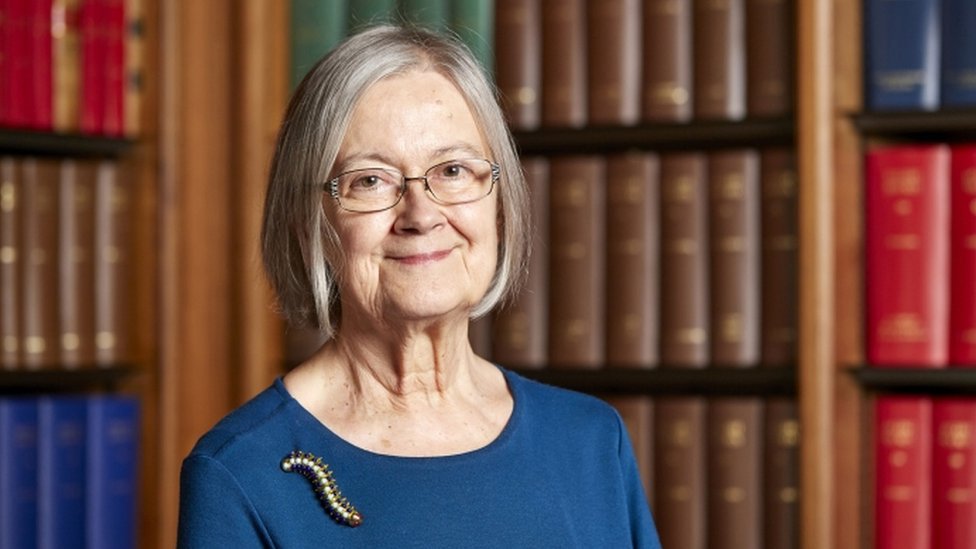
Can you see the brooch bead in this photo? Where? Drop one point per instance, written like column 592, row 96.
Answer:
column 323, row 484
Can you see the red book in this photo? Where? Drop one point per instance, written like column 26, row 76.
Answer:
column 5, row 80
column 113, row 37
column 907, row 263
column 903, row 472
column 962, row 257
column 39, row 31
column 93, row 66
column 18, row 54
column 954, row 473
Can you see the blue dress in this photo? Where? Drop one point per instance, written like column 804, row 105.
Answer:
column 561, row 474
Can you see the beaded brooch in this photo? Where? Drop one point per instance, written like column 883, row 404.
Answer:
column 324, row 485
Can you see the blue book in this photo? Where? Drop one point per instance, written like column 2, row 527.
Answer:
column 112, row 471
column 18, row 472
column 958, row 53
column 902, row 54
column 61, row 453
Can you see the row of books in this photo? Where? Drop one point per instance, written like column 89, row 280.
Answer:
column 68, row 471
column 71, row 66
column 64, row 269
column 571, row 63
column 920, row 263
column 720, row 472
column 920, row 54
column 925, row 472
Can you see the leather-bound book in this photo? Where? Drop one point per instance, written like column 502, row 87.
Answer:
column 680, row 499
column 667, row 61
column 66, row 65
column 11, row 204
column 40, row 27
column 114, row 36
column 781, row 474
column 954, row 473
column 563, row 63
column 779, row 271
column 735, row 473
column 92, row 23
column 518, row 61
column 135, row 75
column 112, row 268
column 633, row 252
column 520, row 328
column 613, row 41
column 962, row 257
column 719, row 59
column 769, row 57
column 39, row 245
column 638, row 415
column 577, row 228
column 76, row 187
column 901, row 54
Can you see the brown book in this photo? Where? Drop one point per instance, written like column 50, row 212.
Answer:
column 679, row 472
column 563, row 63
column 734, row 257
column 719, row 59
column 781, row 474
column 66, row 65
column 39, row 274
column 76, row 295
column 135, row 85
column 11, row 204
column 613, row 40
column 520, row 329
column 518, row 60
column 633, row 250
column 667, row 61
column 735, row 428
column 577, row 230
column 684, row 260
column 637, row 413
column 769, row 57
column 113, row 206
column 779, row 273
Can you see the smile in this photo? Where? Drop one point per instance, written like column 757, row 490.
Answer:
column 421, row 258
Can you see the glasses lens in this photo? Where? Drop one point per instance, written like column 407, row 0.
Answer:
column 368, row 190
column 459, row 181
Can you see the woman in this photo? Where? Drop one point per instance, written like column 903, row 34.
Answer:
column 396, row 211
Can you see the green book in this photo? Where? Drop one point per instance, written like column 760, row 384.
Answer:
column 363, row 13
column 430, row 14
column 474, row 23
column 316, row 26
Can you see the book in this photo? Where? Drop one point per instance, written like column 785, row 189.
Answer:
column 135, row 70
column 779, row 270
column 667, row 61
column 66, row 65
column 734, row 462
column 957, row 69
column 613, row 41
column 113, row 51
column 770, row 55
column 520, row 329
column 76, row 284
column 962, row 256
column 564, row 63
column 112, row 471
column 903, row 472
column 17, row 51
column 11, row 204
column 577, row 233
column 6, row 82
column 61, row 458
column 719, row 59
column 901, row 54
column 430, row 14
column 39, row 268
column 518, row 61
column 907, row 255
column 40, row 72
column 474, row 23
column 954, row 473
column 18, row 472
column 781, row 474
column 364, row 13
column 92, row 25
column 111, row 265
column 680, row 498
column 637, row 412
column 684, row 260
column 632, row 255
column 316, row 26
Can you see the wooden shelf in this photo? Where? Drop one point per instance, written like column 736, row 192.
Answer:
column 52, row 144
column 60, row 380
column 950, row 380
column 689, row 136
column 936, row 126
column 712, row 381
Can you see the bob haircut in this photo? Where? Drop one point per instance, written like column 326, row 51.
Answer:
column 298, row 243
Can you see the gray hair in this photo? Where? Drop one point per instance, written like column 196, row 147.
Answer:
column 296, row 235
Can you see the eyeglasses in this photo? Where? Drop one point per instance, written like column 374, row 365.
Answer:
column 450, row 183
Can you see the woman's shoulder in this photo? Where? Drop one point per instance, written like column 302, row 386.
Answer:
column 542, row 399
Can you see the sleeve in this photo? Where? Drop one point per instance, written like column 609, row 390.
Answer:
column 214, row 510
column 642, row 528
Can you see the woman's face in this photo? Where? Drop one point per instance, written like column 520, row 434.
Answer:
column 419, row 260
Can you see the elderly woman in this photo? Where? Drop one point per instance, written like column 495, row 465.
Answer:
column 397, row 211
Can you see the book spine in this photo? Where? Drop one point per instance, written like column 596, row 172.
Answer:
column 684, row 261
column 11, row 205
column 680, row 498
column 134, row 36
column 734, row 473
column 613, row 61
column 637, row 413
column 113, row 23
column 75, row 266
column 667, row 61
column 18, row 472
column 779, row 264
column 632, row 250
column 19, row 52
column 316, row 26
column 518, row 61
column 40, row 65
column 954, row 473
column 6, row 79
column 781, row 474
column 563, row 63
column 521, row 329
column 958, row 54
column 93, row 66
column 577, row 230
column 901, row 54
column 111, row 265
column 112, row 471
column 61, row 472
column 429, row 14
column 719, row 59
column 903, row 472
column 769, row 57
column 907, row 246
column 962, row 256
column 66, row 66
column 474, row 23
column 39, row 278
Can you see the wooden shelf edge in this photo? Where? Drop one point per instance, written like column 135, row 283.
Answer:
column 712, row 381
column 52, row 144
column 936, row 381
column 59, row 380
column 921, row 125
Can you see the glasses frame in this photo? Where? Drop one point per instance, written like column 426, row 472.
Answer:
column 332, row 186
